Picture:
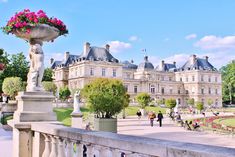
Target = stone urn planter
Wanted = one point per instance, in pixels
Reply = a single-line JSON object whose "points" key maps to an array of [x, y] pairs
{"points": [[104, 124]]}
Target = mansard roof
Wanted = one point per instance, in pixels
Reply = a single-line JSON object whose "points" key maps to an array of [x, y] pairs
{"points": [[99, 54], [167, 67], [146, 64], [129, 65], [199, 63], [64, 63]]}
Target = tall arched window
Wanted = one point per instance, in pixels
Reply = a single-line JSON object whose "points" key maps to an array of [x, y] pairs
{"points": [[152, 89]]}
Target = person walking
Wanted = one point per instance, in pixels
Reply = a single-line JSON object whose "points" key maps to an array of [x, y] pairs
{"points": [[159, 118], [138, 113], [151, 116]]}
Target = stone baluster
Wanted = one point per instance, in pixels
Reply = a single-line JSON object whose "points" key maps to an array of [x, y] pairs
{"points": [[79, 149], [103, 151], [115, 153], [47, 150], [90, 150], [54, 147], [70, 151], [61, 148]]}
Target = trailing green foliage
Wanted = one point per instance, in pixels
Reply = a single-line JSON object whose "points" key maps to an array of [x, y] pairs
{"points": [[191, 102], [143, 99], [106, 97]]}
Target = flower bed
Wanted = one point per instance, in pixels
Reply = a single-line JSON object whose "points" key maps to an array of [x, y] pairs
{"points": [[24, 21]]}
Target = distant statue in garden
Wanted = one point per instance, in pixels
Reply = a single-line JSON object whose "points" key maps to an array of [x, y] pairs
{"points": [[76, 102], [36, 70]]}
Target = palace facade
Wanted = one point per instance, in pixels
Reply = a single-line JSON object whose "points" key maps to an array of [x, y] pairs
{"points": [[197, 78]]}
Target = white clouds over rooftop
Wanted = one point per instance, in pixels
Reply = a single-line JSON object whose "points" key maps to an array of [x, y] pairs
{"points": [[118, 46], [212, 42]]}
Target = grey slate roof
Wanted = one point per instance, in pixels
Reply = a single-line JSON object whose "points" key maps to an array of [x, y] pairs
{"points": [[99, 53], [65, 63], [128, 65], [167, 67], [200, 64], [146, 64]]}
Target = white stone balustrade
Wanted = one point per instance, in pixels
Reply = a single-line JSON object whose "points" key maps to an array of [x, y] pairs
{"points": [[61, 141]]}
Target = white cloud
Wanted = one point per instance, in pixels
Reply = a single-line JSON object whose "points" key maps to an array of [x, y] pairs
{"points": [[217, 59], [212, 42], [191, 36], [55, 56], [133, 38], [118, 46]]}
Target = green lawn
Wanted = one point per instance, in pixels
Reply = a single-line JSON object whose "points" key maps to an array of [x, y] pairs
{"points": [[63, 114], [226, 121]]}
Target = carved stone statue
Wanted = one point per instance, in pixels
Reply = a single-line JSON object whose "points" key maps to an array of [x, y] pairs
{"points": [[35, 75], [76, 103]]}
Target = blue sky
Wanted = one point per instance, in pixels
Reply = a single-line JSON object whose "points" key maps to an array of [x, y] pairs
{"points": [[169, 30]]}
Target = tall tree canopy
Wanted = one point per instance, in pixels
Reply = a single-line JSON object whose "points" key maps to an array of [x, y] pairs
{"points": [[47, 76], [16, 65], [228, 82]]}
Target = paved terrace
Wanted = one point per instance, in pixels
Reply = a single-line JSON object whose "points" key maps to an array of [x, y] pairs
{"points": [[133, 126]]}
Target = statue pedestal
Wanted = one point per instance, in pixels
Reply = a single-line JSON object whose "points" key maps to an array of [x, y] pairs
{"points": [[34, 106], [77, 120]]}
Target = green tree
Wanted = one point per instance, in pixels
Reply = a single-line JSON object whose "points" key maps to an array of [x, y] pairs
{"points": [[228, 82], [210, 102], [191, 102], [199, 106], [170, 103], [4, 60], [143, 99], [12, 85], [17, 67], [64, 93], [125, 104], [49, 86], [160, 101], [106, 97], [47, 76]]}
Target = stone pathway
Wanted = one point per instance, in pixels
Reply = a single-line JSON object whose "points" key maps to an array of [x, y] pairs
{"points": [[170, 131], [5, 143]]}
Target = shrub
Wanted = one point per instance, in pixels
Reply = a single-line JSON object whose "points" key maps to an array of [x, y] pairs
{"points": [[64, 93], [199, 106], [12, 85], [106, 97], [49, 86], [170, 103], [143, 99], [190, 102]]}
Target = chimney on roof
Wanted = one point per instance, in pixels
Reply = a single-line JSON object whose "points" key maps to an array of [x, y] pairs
{"points": [[51, 60], [206, 58], [132, 61], [66, 55], [86, 48], [146, 58], [162, 65], [193, 59], [174, 63], [107, 46]]}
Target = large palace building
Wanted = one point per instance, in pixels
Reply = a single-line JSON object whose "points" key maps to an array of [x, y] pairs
{"points": [[197, 78]]}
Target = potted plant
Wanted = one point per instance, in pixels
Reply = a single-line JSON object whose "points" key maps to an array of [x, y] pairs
{"points": [[106, 98]]}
